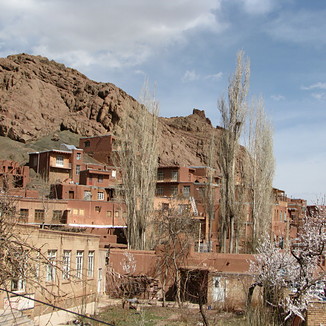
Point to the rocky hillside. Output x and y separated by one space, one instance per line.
39 98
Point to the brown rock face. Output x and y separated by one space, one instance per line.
39 97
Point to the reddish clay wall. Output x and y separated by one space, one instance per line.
145 261
316 314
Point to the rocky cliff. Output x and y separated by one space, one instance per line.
39 97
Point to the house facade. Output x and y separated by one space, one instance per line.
68 274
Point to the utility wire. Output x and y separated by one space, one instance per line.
56 307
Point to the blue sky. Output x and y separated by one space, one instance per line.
188 49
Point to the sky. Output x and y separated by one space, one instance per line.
187 49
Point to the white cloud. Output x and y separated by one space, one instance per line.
319 96
318 85
108 33
277 97
190 76
321 86
258 6
140 72
299 26
217 76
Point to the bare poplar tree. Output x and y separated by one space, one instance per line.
138 158
260 169
233 114
209 194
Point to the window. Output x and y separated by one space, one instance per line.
17 285
160 175
90 264
57 215
77 169
186 191
59 161
159 191
87 195
71 194
78 156
79 263
100 196
81 212
174 190
202 192
183 208
38 264
23 216
39 215
281 242
100 178
174 175
165 206
98 208
87 143
114 173
66 264
18 280
63 219
108 214
116 214
50 269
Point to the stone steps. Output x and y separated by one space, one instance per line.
15 318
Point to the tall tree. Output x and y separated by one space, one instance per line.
138 159
233 115
260 169
209 193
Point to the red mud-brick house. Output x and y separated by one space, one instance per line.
58 165
13 175
281 230
99 147
287 217
184 189
88 188
39 212
297 210
71 167
222 279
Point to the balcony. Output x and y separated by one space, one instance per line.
58 165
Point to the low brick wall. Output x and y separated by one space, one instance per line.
316 315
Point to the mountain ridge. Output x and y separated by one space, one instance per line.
40 97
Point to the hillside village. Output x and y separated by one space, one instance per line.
74 213
64 212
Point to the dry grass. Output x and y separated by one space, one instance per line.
166 316
16 151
